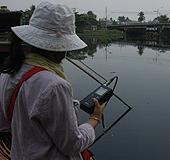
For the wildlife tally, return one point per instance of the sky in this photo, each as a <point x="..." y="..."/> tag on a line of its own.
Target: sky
<point x="115" y="8"/>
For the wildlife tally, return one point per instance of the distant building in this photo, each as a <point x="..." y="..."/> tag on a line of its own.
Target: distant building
<point x="93" y="27"/>
<point x="8" y="20"/>
<point x="4" y="9"/>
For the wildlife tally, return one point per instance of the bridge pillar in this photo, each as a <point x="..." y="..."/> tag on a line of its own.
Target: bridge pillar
<point x="125" y="34"/>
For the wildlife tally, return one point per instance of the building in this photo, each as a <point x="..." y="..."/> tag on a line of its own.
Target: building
<point x="4" y="9"/>
<point x="8" y="20"/>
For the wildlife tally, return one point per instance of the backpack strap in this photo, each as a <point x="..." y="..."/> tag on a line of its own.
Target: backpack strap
<point x="87" y="154"/>
<point x="14" y="94"/>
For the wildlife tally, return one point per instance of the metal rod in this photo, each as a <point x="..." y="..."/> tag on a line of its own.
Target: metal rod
<point x="106" y="83"/>
<point x="110" y="127"/>
<point x="84" y="70"/>
<point x="122" y="101"/>
<point x="93" y="71"/>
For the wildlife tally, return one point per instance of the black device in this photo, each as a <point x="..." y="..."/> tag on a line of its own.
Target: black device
<point x="102" y="94"/>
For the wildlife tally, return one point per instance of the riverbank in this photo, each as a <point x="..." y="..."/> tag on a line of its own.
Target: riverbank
<point x="102" y="35"/>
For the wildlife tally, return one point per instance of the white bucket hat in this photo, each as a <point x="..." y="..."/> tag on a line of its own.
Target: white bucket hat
<point x="52" y="28"/>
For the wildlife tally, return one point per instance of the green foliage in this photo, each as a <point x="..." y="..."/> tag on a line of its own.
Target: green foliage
<point x="85" y="21"/>
<point x="4" y="9"/>
<point x="141" y="16"/>
<point x="162" y="19"/>
<point x="102" y="36"/>
<point x="26" y="15"/>
<point x="91" y="14"/>
<point x="123" y="19"/>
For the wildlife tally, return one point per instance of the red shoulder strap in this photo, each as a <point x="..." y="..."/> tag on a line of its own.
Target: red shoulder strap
<point x="87" y="155"/>
<point x="14" y="94"/>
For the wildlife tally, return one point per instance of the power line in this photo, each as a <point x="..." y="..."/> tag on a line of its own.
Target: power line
<point x="122" y="12"/>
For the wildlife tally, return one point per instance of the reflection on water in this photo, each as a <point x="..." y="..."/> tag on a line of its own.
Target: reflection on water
<point x="141" y="45"/>
<point x="144" y="75"/>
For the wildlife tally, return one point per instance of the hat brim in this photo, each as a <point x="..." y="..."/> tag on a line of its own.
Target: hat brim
<point x="46" y="40"/>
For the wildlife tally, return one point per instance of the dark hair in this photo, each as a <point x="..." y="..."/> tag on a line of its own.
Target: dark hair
<point x="14" y="61"/>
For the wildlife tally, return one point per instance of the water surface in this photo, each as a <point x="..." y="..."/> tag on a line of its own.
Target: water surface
<point x="144" y="82"/>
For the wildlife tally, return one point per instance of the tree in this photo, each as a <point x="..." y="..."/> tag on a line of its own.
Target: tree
<point x="113" y="22"/>
<point x="26" y="15"/>
<point x="4" y="9"/>
<point x="128" y="20"/>
<point x="91" y="14"/>
<point x="32" y="7"/>
<point x="162" y="19"/>
<point x="121" y="19"/>
<point x="85" y="21"/>
<point x="140" y="49"/>
<point x="141" y="16"/>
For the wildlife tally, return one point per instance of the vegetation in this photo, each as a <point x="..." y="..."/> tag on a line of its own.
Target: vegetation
<point x="27" y="14"/>
<point x="123" y="19"/>
<point x="102" y="35"/>
<point x="85" y="21"/>
<point x="141" y="17"/>
<point x="87" y="24"/>
<point x="4" y="9"/>
<point x="162" y="19"/>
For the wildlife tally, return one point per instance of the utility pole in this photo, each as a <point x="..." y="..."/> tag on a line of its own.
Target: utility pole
<point x="157" y="12"/>
<point x="106" y="18"/>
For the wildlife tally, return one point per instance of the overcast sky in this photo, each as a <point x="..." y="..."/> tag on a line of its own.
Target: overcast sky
<point x="115" y="8"/>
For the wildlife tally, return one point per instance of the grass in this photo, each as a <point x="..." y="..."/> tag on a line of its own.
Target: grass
<point x="102" y="35"/>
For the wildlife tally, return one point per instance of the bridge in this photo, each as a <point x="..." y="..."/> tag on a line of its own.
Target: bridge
<point x="140" y="26"/>
<point x="149" y="31"/>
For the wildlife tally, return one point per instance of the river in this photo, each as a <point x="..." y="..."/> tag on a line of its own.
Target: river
<point x="144" y="83"/>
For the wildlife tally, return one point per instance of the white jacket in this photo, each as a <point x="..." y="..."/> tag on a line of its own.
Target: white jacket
<point x="44" y="124"/>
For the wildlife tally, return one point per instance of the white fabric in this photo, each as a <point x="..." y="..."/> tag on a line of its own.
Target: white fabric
<point x="44" y="124"/>
<point x="51" y="27"/>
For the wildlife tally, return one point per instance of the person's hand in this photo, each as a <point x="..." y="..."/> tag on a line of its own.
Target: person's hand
<point x="98" y="109"/>
<point x="96" y="116"/>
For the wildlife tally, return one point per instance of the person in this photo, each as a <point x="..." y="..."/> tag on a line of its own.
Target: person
<point x="44" y="122"/>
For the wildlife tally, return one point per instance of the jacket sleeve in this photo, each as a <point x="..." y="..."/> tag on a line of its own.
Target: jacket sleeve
<point x="57" y="116"/>
<point x="4" y="124"/>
